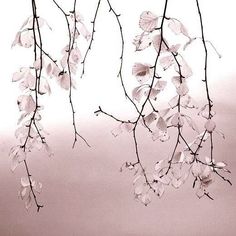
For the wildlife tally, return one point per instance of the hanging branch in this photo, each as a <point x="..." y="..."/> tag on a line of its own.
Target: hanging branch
<point x="210" y="124"/>
<point x="184" y="158"/>
<point x="92" y="38"/>
<point x="68" y="51"/>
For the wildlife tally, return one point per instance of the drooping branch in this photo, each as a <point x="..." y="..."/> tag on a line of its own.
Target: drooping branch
<point x="92" y="37"/>
<point x="71" y="41"/>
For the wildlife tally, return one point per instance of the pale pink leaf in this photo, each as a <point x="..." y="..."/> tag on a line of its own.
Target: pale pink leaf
<point x="142" y="42"/>
<point x="183" y="89"/>
<point x="148" y="21"/>
<point x="27" y="39"/>
<point x="167" y="61"/>
<point x="161" y="124"/>
<point x="142" y="72"/>
<point x="26" y="103"/>
<point x="210" y="125"/>
<point x="177" y="27"/>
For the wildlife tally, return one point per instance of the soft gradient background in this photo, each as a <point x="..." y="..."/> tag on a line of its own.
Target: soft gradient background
<point x="83" y="191"/>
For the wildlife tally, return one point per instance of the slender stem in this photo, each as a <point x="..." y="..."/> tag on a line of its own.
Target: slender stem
<point x="92" y="38"/>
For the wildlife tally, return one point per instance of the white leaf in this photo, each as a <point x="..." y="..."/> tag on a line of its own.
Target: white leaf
<point x="142" y="42"/>
<point x="149" y="119"/>
<point x="75" y="55"/>
<point x="138" y="190"/>
<point x="23" y="192"/>
<point x="64" y="81"/>
<point x="220" y="164"/>
<point x="17" y="40"/>
<point x="44" y="87"/>
<point x="142" y="72"/>
<point x="136" y="179"/>
<point x="148" y="21"/>
<point x="26" y="39"/>
<point x="167" y="61"/>
<point x="182" y="90"/>
<point x="139" y="91"/>
<point x="177" y="27"/>
<point x="174" y="101"/>
<point x="160" y="85"/>
<point x="191" y="123"/>
<point x="196" y="169"/>
<point x="24" y="182"/>
<point x="84" y="31"/>
<point x="158" y="42"/>
<point x="26" y="103"/>
<point x="163" y="112"/>
<point x="177" y="120"/>
<point x="146" y="199"/>
<point x="28" y="202"/>
<point x="210" y="126"/>
<point x="176" y="183"/>
<point x="21" y="74"/>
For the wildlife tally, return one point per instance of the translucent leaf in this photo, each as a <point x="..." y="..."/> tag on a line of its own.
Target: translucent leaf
<point x="186" y="71"/>
<point x="160" y="85"/>
<point x="182" y="90"/>
<point x="153" y="93"/>
<point x="17" y="40"/>
<point x="21" y="74"/>
<point x="142" y="72"/>
<point x="64" y="81"/>
<point x="177" y="27"/>
<point x="174" y="101"/>
<point x="188" y="102"/>
<point x="38" y="63"/>
<point x="146" y="199"/>
<point x="177" y="120"/>
<point x="200" y="192"/>
<point x="26" y="39"/>
<point x="196" y="169"/>
<point x="75" y="55"/>
<point x="176" y="183"/>
<point x="14" y="163"/>
<point x="24" y="182"/>
<point x="167" y="62"/>
<point x="149" y="119"/>
<point x="162" y="136"/>
<point x="26" y="103"/>
<point x="117" y="131"/>
<point x="148" y="21"/>
<point x="136" y="179"/>
<point x="179" y="157"/>
<point x="210" y="126"/>
<point x="174" y="48"/>
<point x="44" y="87"/>
<point x="220" y="164"/>
<point x="84" y="31"/>
<point x="138" y="190"/>
<point x="139" y="91"/>
<point x="160" y="190"/>
<point x="161" y="124"/>
<point x="159" y="165"/>
<point x="157" y="42"/>
<point x="191" y="123"/>
<point x="28" y="202"/>
<point x="23" y="192"/>
<point x="164" y="112"/>
<point x="37" y="186"/>
<point x="142" y="42"/>
<point x="206" y="181"/>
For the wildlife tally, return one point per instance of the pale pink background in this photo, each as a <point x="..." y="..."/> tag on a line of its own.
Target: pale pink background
<point x="83" y="191"/>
